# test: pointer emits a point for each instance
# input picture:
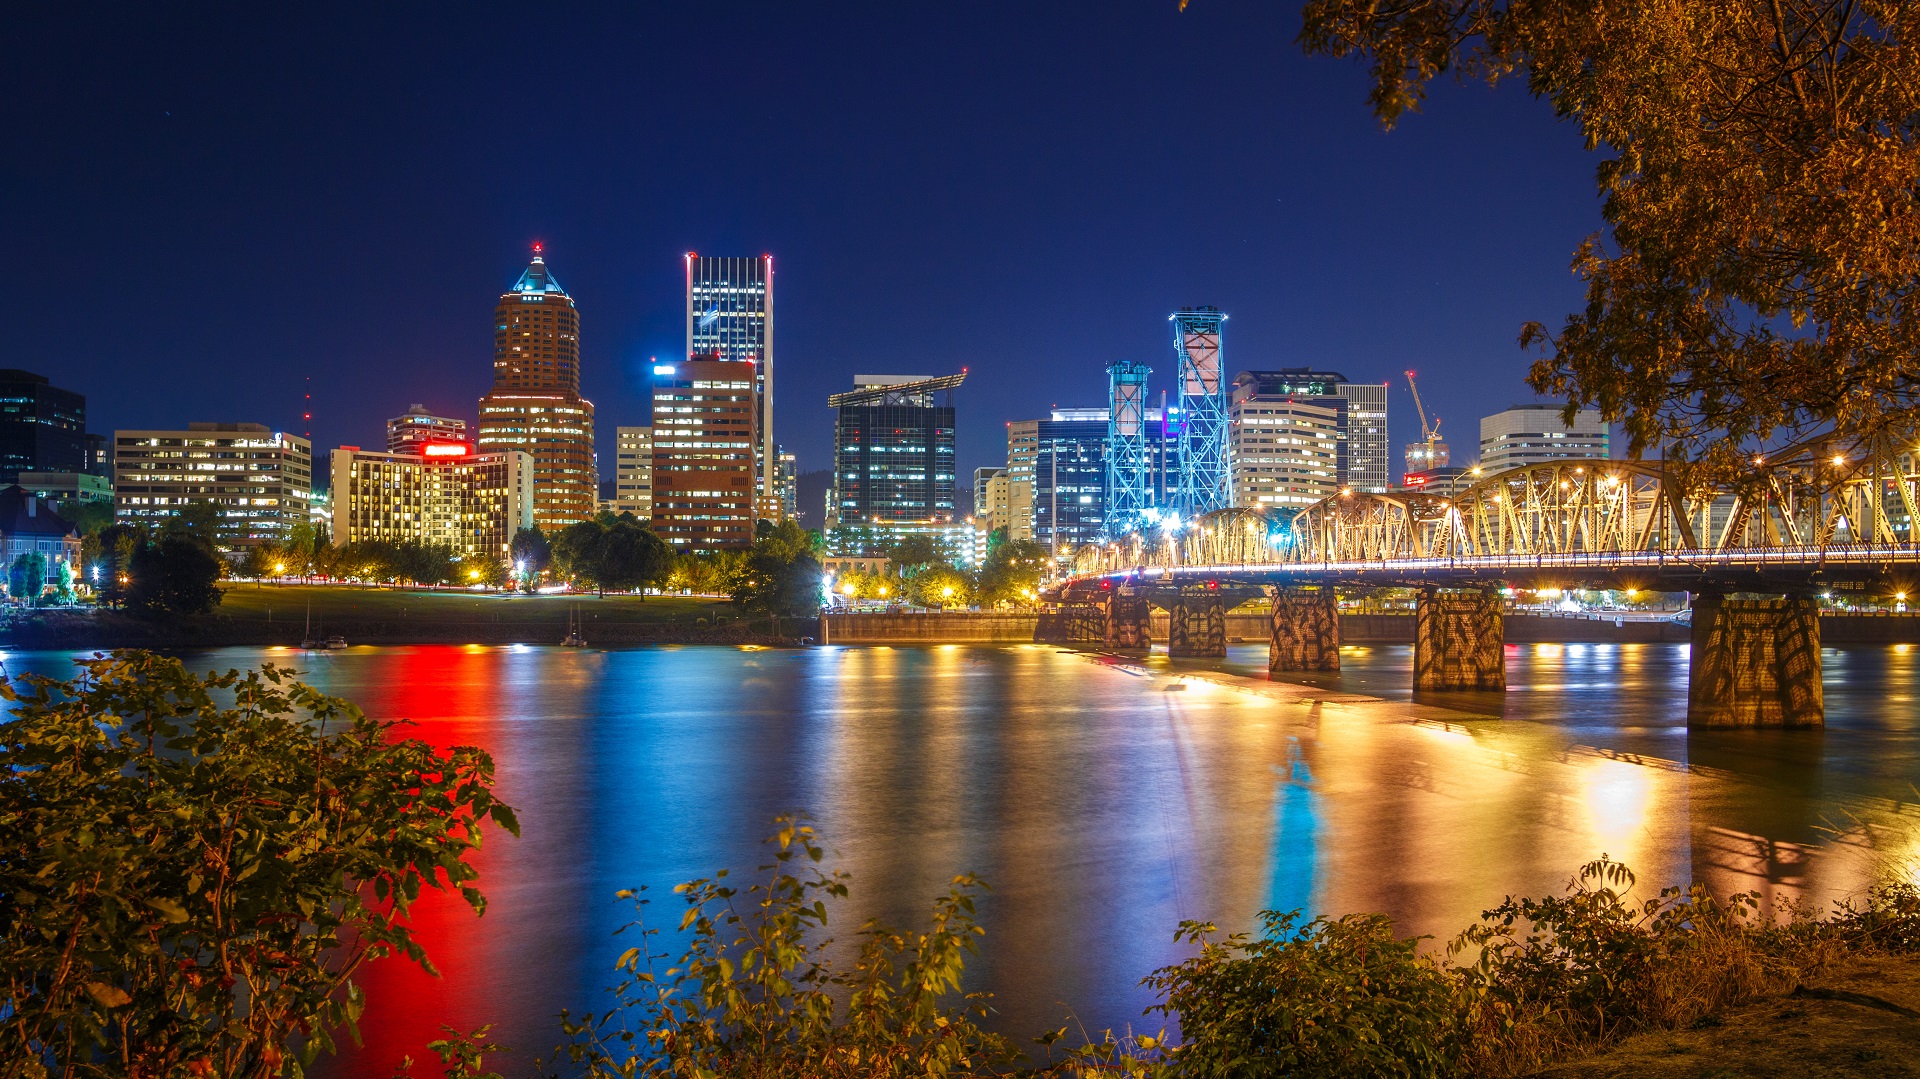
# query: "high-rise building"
(439, 492)
(1284, 451)
(633, 472)
(789, 483)
(98, 454)
(42, 428)
(705, 430)
(260, 479)
(730, 317)
(982, 486)
(893, 449)
(1364, 448)
(535, 404)
(418, 425)
(1530, 434)
(1069, 477)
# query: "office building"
(893, 449)
(789, 485)
(1364, 450)
(1530, 434)
(1062, 460)
(633, 472)
(705, 429)
(535, 404)
(982, 485)
(42, 428)
(1284, 451)
(260, 479)
(418, 425)
(730, 317)
(67, 486)
(98, 455)
(894, 470)
(439, 492)
(1445, 482)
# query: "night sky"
(207, 205)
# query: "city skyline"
(911, 223)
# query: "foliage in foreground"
(188, 886)
(1755, 288)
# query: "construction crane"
(1428, 453)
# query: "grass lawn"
(245, 601)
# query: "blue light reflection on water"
(1102, 807)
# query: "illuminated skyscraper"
(730, 318)
(703, 440)
(536, 404)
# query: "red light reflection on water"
(451, 696)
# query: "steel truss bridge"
(1791, 526)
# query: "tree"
(1755, 290)
(196, 521)
(111, 554)
(529, 552)
(89, 517)
(941, 586)
(781, 575)
(480, 569)
(1012, 573)
(174, 576)
(609, 552)
(912, 551)
(192, 887)
(27, 577)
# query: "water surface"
(1101, 803)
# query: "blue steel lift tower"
(1203, 484)
(1127, 494)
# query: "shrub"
(188, 888)
(1334, 998)
(757, 993)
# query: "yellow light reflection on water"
(1617, 794)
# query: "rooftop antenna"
(306, 412)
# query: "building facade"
(441, 493)
(1064, 457)
(730, 317)
(260, 479)
(1284, 451)
(418, 425)
(43, 428)
(1530, 434)
(535, 404)
(1365, 462)
(68, 486)
(633, 472)
(893, 450)
(705, 430)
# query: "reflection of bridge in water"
(1756, 558)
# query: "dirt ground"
(1860, 1020)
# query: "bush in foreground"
(187, 887)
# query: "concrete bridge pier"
(1197, 624)
(1755, 663)
(1306, 631)
(1459, 640)
(1129, 624)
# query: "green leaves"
(196, 881)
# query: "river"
(1103, 802)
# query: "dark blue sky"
(207, 204)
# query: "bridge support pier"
(1755, 663)
(1306, 631)
(1129, 624)
(1197, 626)
(1459, 640)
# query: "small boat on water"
(336, 641)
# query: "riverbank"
(282, 615)
(1860, 1019)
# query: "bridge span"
(1756, 559)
